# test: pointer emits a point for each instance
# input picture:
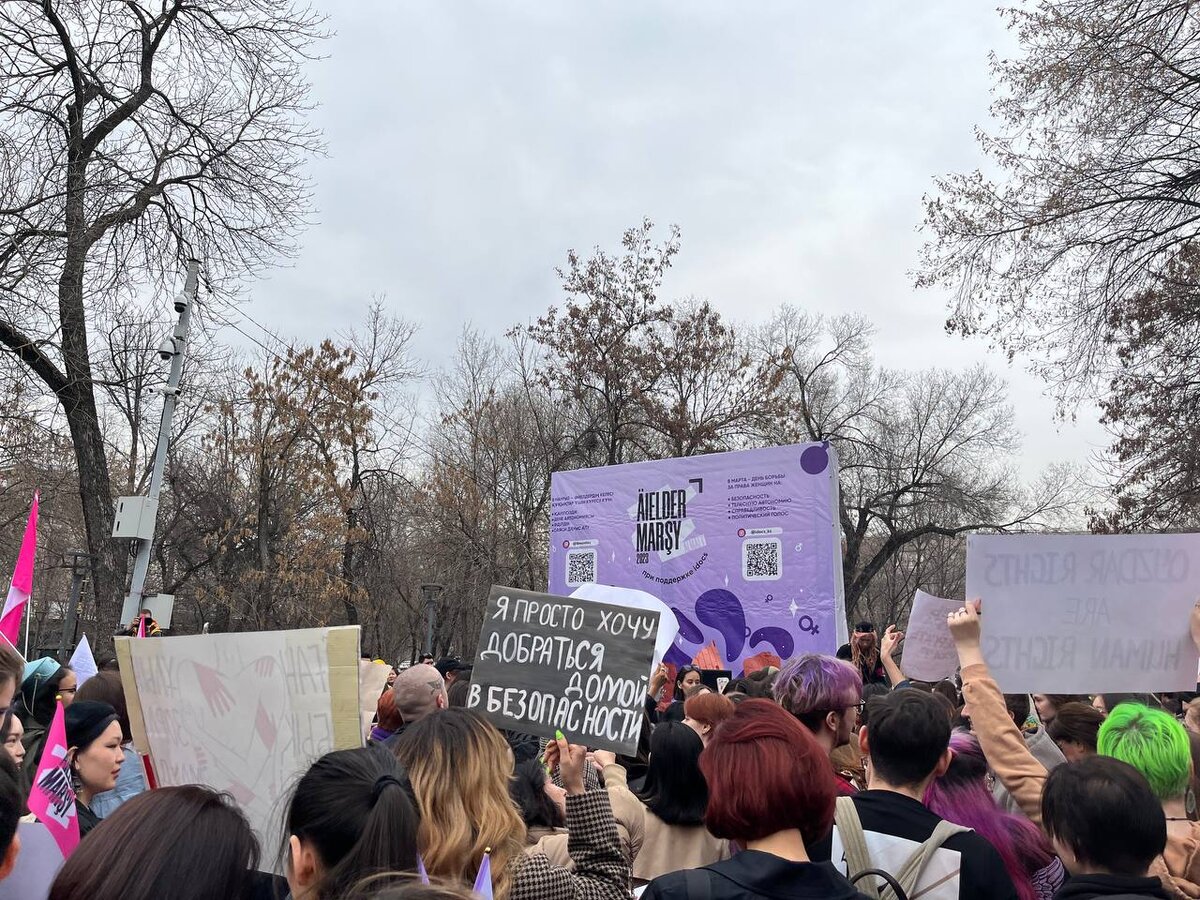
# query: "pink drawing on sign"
(265, 727)
(220, 701)
(264, 666)
(239, 792)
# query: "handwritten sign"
(929, 653)
(1077, 614)
(548, 663)
(243, 713)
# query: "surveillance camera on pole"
(136, 516)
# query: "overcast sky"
(471, 144)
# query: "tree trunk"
(110, 559)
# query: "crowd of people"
(826, 777)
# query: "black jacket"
(1086, 887)
(982, 875)
(751, 875)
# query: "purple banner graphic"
(744, 547)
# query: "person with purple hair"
(961, 796)
(825, 695)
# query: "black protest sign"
(547, 663)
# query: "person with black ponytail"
(351, 816)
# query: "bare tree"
(1099, 180)
(921, 454)
(133, 136)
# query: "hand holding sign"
(570, 759)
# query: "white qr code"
(762, 560)
(581, 567)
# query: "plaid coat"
(601, 868)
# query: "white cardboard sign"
(929, 653)
(245, 713)
(1085, 614)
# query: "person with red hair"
(388, 720)
(704, 711)
(771, 790)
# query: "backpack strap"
(854, 844)
(697, 883)
(910, 872)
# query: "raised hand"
(891, 641)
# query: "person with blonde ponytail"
(460, 767)
(351, 816)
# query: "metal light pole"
(171, 349)
(79, 571)
(430, 593)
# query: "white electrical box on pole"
(136, 516)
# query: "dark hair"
(39, 697)
(105, 687)
(12, 805)
(949, 690)
(1082, 801)
(907, 736)
(766, 774)
(1077, 723)
(870, 691)
(191, 842)
(1112, 701)
(528, 791)
(1018, 707)
(674, 789)
(745, 687)
(405, 886)
(457, 693)
(357, 810)
(679, 676)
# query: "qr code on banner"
(762, 560)
(581, 567)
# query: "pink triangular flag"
(52, 799)
(22, 580)
(483, 880)
(141, 626)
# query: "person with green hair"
(1154, 743)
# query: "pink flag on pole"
(141, 626)
(22, 580)
(52, 799)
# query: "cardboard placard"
(929, 653)
(244, 713)
(1085, 614)
(547, 663)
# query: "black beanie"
(86, 721)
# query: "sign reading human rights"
(1087, 613)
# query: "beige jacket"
(1024, 777)
(666, 848)
(628, 811)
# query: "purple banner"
(744, 547)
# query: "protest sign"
(36, 867)
(244, 713)
(372, 679)
(667, 626)
(546, 663)
(1079, 614)
(83, 662)
(929, 653)
(744, 548)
